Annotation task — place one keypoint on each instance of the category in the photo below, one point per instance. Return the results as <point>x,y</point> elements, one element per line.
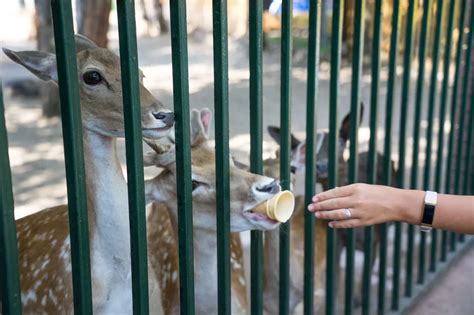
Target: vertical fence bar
<point>372,160</point>
<point>285,125</point>
<point>9,266</point>
<point>337,18</point>
<point>221,107</point>
<point>416,133</point>
<point>256,140</point>
<point>73,154</point>
<point>358,52</point>
<point>465,91</point>
<point>462,117</point>
<point>405,99</point>
<point>442,116</point>
<point>387,161</point>
<point>469,144</point>
<point>310,159</point>
<point>179,49</point>
<point>454,95</point>
<point>134,153</point>
<point>430,119</point>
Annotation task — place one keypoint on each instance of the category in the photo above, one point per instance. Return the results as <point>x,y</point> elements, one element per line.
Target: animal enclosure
<point>446,167</point>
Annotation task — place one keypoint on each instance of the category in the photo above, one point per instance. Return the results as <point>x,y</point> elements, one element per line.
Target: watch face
<point>431,198</point>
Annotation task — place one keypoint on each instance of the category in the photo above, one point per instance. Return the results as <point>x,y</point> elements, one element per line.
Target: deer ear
<point>83,43</point>
<point>206,118</point>
<point>299,156</point>
<point>200,121</point>
<point>319,141</point>
<point>345,129</point>
<point>41,64</point>
<point>275,133</point>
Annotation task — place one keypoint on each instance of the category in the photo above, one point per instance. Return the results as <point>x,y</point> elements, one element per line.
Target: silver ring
<point>347,213</point>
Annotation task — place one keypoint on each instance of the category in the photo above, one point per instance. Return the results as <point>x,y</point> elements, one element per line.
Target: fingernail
<point>310,207</point>
<point>317,214</point>
<point>330,224</point>
<point>315,199</point>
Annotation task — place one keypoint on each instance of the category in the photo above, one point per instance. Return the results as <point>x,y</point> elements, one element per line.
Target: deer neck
<point>107,200</point>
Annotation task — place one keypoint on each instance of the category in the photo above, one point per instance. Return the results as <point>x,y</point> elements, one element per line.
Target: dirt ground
<point>35,143</point>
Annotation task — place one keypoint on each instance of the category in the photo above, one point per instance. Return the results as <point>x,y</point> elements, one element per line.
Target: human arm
<point>373,204</point>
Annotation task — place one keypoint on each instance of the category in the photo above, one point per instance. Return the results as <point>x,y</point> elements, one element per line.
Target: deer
<point>153,11</point>
<point>297,164</point>
<point>43,237</point>
<point>247,191</point>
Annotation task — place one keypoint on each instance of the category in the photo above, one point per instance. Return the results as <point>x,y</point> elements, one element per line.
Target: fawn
<point>298,150</point>
<point>247,191</point>
<point>43,237</point>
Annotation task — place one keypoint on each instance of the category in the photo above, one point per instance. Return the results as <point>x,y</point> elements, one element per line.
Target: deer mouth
<point>258,217</point>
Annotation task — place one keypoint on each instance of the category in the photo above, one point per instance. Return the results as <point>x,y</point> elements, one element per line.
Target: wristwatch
<point>431,199</point>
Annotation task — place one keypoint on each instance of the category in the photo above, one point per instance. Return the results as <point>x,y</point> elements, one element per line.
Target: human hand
<point>367,204</point>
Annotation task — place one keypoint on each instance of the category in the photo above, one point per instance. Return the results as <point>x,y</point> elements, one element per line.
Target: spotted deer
<point>43,238</point>
<point>298,155</point>
<point>247,191</point>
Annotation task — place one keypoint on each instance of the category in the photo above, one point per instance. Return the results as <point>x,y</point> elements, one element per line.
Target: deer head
<point>247,190</point>
<point>298,149</point>
<point>100,86</point>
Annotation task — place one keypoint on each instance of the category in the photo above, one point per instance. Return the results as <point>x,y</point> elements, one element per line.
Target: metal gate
<point>455,174</point>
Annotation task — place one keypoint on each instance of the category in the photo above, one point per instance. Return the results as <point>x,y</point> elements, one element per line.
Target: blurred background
<point>32,106</point>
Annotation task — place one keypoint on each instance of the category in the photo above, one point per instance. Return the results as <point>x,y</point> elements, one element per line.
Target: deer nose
<point>271,188</point>
<point>321,167</point>
<point>166,117</point>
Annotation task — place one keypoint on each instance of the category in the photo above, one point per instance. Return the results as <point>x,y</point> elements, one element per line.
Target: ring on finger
<point>347,213</point>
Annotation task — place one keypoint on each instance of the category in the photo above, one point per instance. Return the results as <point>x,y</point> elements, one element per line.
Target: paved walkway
<point>454,292</point>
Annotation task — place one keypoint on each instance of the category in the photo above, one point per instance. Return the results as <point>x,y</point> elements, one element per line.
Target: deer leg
<point>161,19</point>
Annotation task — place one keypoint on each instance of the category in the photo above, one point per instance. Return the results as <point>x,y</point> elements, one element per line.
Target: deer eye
<point>195,184</point>
<point>92,77</point>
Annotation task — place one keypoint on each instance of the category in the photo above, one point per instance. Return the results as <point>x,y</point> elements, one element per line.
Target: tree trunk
<point>45,42</point>
<point>94,23</point>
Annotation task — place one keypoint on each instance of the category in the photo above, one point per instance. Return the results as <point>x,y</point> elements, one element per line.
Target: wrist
<point>411,206</point>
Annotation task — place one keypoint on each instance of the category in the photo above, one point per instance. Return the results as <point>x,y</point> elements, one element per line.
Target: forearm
<point>454,213</point>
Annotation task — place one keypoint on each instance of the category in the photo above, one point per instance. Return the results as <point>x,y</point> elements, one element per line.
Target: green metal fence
<point>457,166</point>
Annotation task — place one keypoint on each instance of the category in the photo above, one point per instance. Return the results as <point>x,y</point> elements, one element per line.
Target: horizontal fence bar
<point>179,50</point>
<point>314,41</point>
<point>430,119</point>
<point>285,146</point>
<point>372,158</point>
<point>387,160</point>
<point>73,155</point>
<point>221,107</point>
<point>405,99</point>
<point>334,86</point>
<point>9,267</point>
<point>256,142</point>
<point>442,116</point>
<point>357,55</point>
<point>134,154</point>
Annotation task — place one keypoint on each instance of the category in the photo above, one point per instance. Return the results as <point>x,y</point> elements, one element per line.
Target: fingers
<point>332,204</point>
<point>335,193</point>
<point>346,224</point>
<point>339,214</point>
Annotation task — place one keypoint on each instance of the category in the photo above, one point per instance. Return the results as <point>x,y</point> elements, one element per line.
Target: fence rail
<point>457,156</point>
